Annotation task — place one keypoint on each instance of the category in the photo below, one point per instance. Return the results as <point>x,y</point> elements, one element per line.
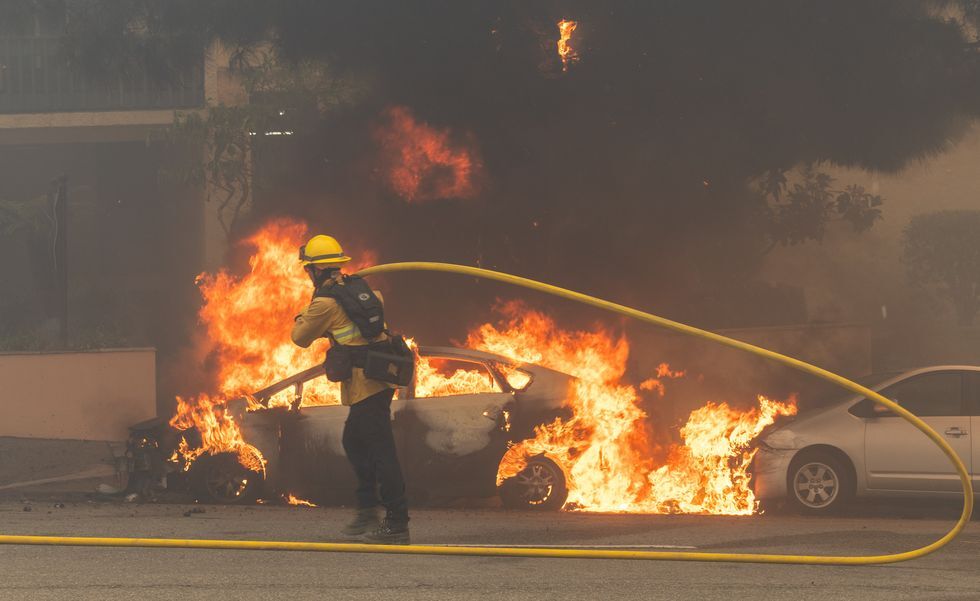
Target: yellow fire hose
<point>574,553</point>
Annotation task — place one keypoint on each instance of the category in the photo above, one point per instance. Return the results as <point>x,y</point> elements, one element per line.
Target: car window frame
<point>497,378</point>
<point>867,408</point>
<point>972,393</point>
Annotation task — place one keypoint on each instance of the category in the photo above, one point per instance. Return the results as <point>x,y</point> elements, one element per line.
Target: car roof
<point>452,352</point>
<point>882,380</point>
<point>927,369</point>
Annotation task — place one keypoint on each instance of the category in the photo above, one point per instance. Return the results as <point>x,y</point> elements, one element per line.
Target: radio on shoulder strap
<point>359,302</point>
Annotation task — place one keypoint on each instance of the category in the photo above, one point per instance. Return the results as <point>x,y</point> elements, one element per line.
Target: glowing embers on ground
<point>422,162</point>
<point>291,499</point>
<point>566,52</point>
<point>605,448</point>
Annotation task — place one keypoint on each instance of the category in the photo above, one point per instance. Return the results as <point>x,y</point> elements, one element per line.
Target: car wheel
<point>222,479</point>
<point>540,486</point>
<point>819,483</point>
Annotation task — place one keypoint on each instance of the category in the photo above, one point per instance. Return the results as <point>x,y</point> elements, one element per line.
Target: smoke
<point>626,175</point>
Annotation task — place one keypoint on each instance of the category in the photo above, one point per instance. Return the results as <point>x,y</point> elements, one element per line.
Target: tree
<point>285,99</point>
<point>942,253</point>
<point>659,134</point>
<point>797,211</point>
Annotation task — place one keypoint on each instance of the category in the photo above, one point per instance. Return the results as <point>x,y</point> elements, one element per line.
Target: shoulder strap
<point>359,302</point>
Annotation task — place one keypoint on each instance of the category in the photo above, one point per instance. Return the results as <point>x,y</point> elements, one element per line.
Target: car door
<point>456,420</point>
<point>973,397</point>
<point>313,456</point>
<point>898,456</point>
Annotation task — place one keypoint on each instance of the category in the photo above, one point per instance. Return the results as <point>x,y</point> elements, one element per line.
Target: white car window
<point>931,394</point>
<point>972,392</point>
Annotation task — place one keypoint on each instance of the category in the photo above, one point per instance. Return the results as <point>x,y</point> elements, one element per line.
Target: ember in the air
<point>566,52</point>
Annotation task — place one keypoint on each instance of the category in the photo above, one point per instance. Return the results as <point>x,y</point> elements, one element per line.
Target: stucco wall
<point>93,395</point>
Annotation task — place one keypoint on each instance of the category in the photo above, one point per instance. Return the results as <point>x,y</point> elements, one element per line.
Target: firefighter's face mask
<point>319,276</point>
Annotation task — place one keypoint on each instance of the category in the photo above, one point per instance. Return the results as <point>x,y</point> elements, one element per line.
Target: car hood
<point>802,430</point>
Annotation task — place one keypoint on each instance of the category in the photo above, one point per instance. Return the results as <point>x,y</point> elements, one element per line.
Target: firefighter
<point>367,439</point>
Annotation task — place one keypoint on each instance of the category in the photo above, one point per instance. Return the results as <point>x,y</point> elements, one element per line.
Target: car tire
<point>540,486</point>
<point>819,483</point>
<point>222,479</point>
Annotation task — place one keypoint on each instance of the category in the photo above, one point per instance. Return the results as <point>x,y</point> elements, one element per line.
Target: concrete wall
<point>93,395</point>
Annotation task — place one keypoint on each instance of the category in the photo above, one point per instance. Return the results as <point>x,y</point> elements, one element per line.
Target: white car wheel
<point>819,483</point>
<point>816,485</point>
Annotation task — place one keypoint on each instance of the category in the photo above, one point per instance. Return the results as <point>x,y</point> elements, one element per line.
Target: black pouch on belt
<point>390,361</point>
<point>339,363</point>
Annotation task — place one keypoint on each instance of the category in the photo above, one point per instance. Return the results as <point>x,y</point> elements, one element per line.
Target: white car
<point>855,447</point>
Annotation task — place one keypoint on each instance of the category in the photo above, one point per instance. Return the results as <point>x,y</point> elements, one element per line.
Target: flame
<point>606,448</point>
<point>422,162</point>
<point>656,383</point>
<point>247,320</point>
<point>608,456</point>
<point>292,499</point>
<point>566,53</point>
<point>431,379</point>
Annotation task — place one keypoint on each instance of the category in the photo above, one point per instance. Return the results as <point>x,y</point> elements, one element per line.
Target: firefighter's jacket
<point>324,318</point>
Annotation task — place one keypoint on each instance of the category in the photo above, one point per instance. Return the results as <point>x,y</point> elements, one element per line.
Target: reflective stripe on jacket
<point>324,318</point>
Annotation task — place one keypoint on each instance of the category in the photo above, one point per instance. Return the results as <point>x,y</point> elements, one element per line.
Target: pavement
<point>30,572</point>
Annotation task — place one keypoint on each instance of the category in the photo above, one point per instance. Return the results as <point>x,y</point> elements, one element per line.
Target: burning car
<point>452,432</point>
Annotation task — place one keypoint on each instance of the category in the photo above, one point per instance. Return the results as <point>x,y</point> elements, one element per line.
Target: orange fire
<point>566,53</point>
<point>247,320</point>
<point>657,383</point>
<point>610,460</point>
<point>432,381</point>
<point>218,430</point>
<point>292,499</point>
<point>422,162</point>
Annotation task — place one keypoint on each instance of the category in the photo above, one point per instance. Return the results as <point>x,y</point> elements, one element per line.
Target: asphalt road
<point>28,573</point>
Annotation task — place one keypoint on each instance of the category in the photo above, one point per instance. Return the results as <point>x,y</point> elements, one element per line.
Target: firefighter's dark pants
<point>370,448</point>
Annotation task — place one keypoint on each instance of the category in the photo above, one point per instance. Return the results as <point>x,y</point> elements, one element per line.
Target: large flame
<point>247,320</point>
<point>422,162</point>
<point>612,460</point>
<point>605,449</point>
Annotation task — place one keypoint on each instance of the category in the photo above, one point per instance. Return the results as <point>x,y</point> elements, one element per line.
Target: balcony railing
<point>35,78</point>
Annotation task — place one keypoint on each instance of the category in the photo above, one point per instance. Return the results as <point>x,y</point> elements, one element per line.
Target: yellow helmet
<point>322,250</point>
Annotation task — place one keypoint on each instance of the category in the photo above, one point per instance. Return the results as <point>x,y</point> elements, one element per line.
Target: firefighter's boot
<point>390,532</point>
<point>366,520</point>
